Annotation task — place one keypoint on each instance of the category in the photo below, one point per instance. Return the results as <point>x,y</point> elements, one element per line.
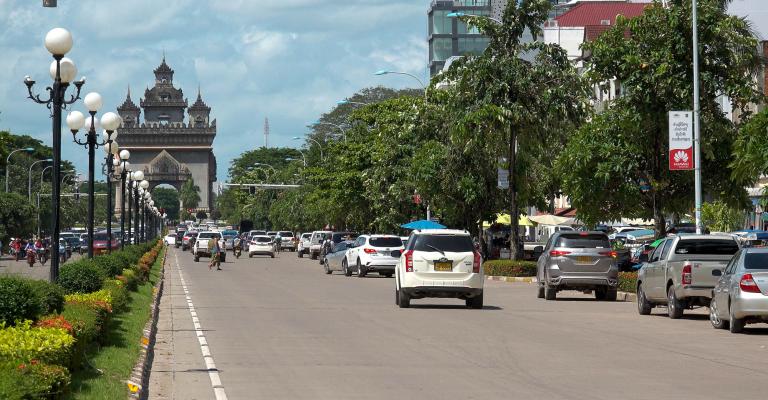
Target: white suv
<point>372,253</point>
<point>304,241</point>
<point>316,243</point>
<point>200,248</point>
<point>439,263</point>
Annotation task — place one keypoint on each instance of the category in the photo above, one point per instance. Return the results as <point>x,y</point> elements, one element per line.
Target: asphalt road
<point>282,329</point>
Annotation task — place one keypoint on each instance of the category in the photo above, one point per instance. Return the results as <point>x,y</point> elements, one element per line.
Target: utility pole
<point>696,118</point>
<point>266,133</point>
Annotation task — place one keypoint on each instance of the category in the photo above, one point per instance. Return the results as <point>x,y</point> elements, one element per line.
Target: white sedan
<point>261,245</point>
<point>170,239</point>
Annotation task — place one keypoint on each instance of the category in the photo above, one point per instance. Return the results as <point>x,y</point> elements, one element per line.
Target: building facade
<point>174,141</point>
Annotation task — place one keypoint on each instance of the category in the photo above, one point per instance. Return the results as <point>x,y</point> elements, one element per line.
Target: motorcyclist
<point>30,251</point>
<point>17,248</point>
<point>236,246</point>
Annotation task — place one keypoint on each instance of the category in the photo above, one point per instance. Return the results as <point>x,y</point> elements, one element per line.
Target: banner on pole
<point>681,141</point>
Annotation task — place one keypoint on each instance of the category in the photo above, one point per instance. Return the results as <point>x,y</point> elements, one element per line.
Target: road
<point>282,329</point>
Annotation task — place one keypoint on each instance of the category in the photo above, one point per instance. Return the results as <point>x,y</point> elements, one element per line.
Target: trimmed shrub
<point>118,293</point>
<point>628,282</point>
<point>87,323</point>
<point>18,300</point>
<point>33,380</point>
<point>512,268</point>
<point>26,343</point>
<point>81,277</point>
<point>51,296</point>
<point>101,299</point>
<point>110,264</point>
<point>55,321</point>
<point>131,279</point>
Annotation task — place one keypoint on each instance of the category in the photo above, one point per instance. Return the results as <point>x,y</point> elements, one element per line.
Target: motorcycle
<point>31,258</point>
<point>42,255</point>
<point>237,251</point>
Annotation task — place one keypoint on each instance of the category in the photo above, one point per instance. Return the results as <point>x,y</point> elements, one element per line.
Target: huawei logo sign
<point>681,157</point>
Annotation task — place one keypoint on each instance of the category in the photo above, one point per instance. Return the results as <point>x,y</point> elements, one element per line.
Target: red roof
<point>595,12</point>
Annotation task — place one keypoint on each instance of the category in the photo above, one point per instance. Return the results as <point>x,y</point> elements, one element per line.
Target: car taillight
<point>559,253</point>
<point>613,254</point>
<point>369,251</point>
<point>476,263</point>
<point>687,277</point>
<point>408,261</point>
<point>748,284</point>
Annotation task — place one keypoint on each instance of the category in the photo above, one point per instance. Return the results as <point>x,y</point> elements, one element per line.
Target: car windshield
<point>583,241</point>
<point>192,234</point>
<point>452,243</point>
<point>263,240</point>
<point>756,261</point>
<point>707,246</point>
<point>285,234</point>
<point>341,236</point>
<point>209,235</point>
<point>100,237</point>
<point>385,242</point>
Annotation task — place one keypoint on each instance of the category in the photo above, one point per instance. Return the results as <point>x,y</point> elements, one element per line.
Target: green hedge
<point>628,282</point>
<point>87,324</point>
<point>513,268</point>
<point>51,296</point>
<point>82,276</point>
<point>21,381</point>
<point>18,301</point>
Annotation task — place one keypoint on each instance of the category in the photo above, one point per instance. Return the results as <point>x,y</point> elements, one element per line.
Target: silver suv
<point>578,261</point>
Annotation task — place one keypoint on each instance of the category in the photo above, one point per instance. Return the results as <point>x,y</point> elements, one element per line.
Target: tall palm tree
<point>190,194</point>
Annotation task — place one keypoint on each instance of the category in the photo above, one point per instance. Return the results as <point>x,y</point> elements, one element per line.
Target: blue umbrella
<point>423,224</point>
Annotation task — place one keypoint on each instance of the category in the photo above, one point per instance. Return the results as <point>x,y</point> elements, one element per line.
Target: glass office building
<point>450,37</point>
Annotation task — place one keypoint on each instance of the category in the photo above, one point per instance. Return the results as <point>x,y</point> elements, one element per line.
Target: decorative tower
<point>129,111</point>
<point>164,105</point>
<point>199,113</point>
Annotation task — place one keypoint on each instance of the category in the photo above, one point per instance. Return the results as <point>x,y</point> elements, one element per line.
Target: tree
<point>720,217</point>
<point>17,217</point>
<point>516,98</point>
<point>650,58</point>
<point>201,215</point>
<point>190,194</point>
<point>168,200</point>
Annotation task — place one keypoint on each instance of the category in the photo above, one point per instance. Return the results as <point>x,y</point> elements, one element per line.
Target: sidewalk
<point>10,266</point>
<point>178,370</point>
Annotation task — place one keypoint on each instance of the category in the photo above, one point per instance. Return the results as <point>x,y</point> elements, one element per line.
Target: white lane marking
<point>213,373</point>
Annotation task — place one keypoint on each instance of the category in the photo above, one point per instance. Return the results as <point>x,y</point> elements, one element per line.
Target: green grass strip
<point>114,361</point>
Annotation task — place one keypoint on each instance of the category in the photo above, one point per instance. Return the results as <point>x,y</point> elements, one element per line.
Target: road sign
<point>503,173</point>
<point>681,141</point>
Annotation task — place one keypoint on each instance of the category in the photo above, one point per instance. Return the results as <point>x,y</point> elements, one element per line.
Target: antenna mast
<point>266,132</point>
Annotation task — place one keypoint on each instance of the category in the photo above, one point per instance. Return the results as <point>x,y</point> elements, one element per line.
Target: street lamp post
<point>42,174</point>
<point>144,185</point>
<point>697,119</point>
<point>138,176</point>
<point>339,127</point>
<point>110,122</point>
<point>8,164</point>
<point>320,146</point>
<point>344,102</point>
<point>58,41</point>
<point>29,177</point>
<point>129,201</point>
<point>385,72</point>
<point>124,156</point>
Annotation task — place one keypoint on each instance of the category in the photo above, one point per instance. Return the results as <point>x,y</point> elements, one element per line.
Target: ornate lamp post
<point>138,176</point>
<point>58,41</point>
<point>123,165</point>
<point>110,122</point>
<point>144,185</point>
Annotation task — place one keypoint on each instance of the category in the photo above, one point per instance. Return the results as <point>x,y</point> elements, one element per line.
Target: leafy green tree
<point>189,194</point>
<point>650,58</point>
<point>718,216</point>
<point>167,199</point>
<point>17,217</point>
<point>201,215</point>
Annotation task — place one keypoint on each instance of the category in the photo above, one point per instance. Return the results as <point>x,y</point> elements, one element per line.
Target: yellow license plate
<point>443,266</point>
<point>584,260</point>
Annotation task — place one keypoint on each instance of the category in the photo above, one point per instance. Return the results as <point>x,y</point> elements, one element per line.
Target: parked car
<point>73,244</point>
<point>83,243</point>
<point>578,261</point>
<point>200,248</point>
<point>679,272</point>
<point>304,243</point>
<point>373,253</point>
<point>316,243</point>
<point>188,240</point>
<point>261,245</point>
<point>334,259</point>
<point>740,296</point>
<point>170,239</point>
<point>439,263</point>
<point>286,241</point>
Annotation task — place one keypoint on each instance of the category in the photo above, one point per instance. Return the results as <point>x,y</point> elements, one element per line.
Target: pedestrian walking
<point>215,250</point>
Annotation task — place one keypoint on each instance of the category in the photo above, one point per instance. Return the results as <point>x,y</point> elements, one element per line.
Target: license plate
<point>583,260</point>
<point>385,253</point>
<point>443,266</point>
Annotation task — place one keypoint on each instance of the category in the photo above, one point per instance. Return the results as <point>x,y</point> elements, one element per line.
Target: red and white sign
<point>681,141</point>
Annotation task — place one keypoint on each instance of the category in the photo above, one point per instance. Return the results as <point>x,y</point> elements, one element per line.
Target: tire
<point>643,306</point>
<point>361,272</point>
<point>475,303</point>
<point>735,325</point>
<point>397,297</point>
<point>714,319</point>
<point>404,300</point>
<point>197,258</point>
<point>250,255</point>
<point>550,293</point>
<point>313,256</point>
<point>674,306</point>
<point>301,254</point>
<point>272,255</point>
<point>540,293</point>
<point>389,274</point>
<point>601,293</point>
<point>611,294</point>
<point>345,268</point>
<point>325,267</point>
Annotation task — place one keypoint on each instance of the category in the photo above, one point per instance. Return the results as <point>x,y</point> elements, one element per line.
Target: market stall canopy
<point>552,220</point>
<point>423,224</point>
<point>505,219</point>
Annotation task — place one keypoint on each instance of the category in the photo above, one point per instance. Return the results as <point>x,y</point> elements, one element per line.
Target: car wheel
<point>643,306</point>
<point>550,293</point>
<point>601,293</point>
<point>540,292</point>
<point>404,300</point>
<point>272,255</point>
<point>397,297</point>
<point>325,267</point>
<point>301,254</point>
<point>361,272</point>
<point>736,325</point>
<point>388,274</point>
<point>475,302</point>
<point>197,258</point>
<point>345,268</point>
<point>714,319</point>
<point>250,255</point>
<point>611,294</point>
<point>674,306</point>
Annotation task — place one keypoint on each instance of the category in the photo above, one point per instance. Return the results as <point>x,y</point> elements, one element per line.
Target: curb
<point>140,374</point>
<point>620,296</point>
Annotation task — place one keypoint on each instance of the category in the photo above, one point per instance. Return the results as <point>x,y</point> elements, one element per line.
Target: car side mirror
<point>396,253</point>
<point>717,272</point>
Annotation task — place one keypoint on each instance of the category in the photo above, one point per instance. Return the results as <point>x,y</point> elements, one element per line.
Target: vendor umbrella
<point>423,224</point>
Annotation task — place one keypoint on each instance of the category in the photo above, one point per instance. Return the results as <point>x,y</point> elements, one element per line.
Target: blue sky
<point>289,60</point>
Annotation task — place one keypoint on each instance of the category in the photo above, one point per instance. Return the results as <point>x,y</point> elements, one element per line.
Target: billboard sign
<point>681,141</point>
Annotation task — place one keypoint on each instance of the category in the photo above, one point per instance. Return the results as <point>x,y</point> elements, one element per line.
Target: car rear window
<point>452,243</point>
<point>385,242</point>
<point>583,241</point>
<point>192,234</point>
<point>707,246</point>
<point>208,235</point>
<point>756,261</point>
<point>263,240</point>
<point>101,237</point>
<point>286,234</point>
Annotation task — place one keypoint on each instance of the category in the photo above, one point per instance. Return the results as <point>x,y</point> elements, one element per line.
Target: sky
<point>288,60</point>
